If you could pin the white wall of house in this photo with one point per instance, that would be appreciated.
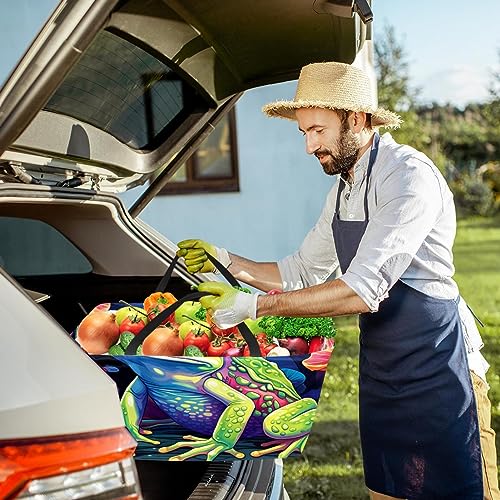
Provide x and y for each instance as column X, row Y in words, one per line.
column 282, row 189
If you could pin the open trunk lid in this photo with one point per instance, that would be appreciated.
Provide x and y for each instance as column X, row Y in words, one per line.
column 112, row 93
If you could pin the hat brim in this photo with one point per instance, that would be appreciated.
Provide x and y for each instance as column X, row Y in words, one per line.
column 286, row 109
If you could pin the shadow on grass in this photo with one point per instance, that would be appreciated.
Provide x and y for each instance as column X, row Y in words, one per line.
column 331, row 466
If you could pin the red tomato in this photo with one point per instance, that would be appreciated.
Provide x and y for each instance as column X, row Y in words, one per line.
column 132, row 324
column 218, row 347
column 261, row 337
column 199, row 339
column 223, row 332
column 274, row 291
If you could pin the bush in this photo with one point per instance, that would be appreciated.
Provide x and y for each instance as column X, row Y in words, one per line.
column 473, row 196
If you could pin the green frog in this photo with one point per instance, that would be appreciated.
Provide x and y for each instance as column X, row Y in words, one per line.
column 223, row 398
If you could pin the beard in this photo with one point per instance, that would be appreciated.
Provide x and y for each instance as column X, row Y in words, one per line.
column 347, row 150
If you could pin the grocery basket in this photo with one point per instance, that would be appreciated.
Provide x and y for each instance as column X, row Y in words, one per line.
column 216, row 408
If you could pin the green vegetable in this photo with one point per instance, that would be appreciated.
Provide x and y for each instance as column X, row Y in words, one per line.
column 192, row 350
column 116, row 350
column 201, row 314
column 282, row 327
column 125, row 339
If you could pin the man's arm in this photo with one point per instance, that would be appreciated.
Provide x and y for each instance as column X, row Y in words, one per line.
column 333, row 298
column 264, row 276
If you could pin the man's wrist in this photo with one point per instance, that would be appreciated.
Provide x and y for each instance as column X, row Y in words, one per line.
column 262, row 305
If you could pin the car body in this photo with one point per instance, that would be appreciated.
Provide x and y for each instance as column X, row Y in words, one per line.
column 110, row 95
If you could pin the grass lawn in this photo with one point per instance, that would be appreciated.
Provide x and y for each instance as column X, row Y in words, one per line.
column 331, row 466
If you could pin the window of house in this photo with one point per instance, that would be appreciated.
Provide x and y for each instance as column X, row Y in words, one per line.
column 214, row 165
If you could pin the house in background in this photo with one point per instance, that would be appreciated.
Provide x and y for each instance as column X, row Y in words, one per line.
column 250, row 187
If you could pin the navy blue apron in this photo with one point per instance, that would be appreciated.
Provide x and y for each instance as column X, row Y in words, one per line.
column 417, row 414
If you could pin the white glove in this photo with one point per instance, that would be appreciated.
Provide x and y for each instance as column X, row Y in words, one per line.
column 229, row 306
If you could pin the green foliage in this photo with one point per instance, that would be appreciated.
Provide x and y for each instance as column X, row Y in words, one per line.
column 460, row 141
column 490, row 174
column 282, row 327
column 472, row 196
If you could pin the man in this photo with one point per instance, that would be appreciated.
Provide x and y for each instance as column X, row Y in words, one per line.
column 387, row 228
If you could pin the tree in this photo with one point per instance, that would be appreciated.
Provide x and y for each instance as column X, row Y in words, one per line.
column 492, row 108
column 394, row 91
column 396, row 94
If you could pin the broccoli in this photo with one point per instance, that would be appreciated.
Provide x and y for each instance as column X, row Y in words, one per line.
column 281, row 327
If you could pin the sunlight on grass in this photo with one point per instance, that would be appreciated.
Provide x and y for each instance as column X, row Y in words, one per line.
column 331, row 467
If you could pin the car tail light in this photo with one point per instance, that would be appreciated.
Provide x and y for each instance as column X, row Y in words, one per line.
column 90, row 465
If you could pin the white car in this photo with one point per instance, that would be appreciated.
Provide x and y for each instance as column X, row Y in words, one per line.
column 108, row 94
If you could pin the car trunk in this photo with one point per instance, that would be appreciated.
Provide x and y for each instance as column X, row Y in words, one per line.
column 125, row 261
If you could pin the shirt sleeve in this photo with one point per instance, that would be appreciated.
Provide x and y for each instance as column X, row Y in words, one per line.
column 408, row 204
column 316, row 260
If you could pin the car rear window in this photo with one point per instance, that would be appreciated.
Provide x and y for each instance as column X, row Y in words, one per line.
column 52, row 254
column 124, row 90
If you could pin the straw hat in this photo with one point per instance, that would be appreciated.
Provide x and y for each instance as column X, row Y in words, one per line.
column 333, row 85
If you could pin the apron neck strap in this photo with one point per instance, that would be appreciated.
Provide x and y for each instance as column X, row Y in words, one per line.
column 371, row 161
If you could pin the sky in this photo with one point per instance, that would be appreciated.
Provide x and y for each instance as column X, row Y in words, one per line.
column 452, row 46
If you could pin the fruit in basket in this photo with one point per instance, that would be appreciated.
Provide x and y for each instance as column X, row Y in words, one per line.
column 132, row 324
column 98, row 331
column 157, row 302
column 192, row 350
column 316, row 344
column 219, row 347
column 116, row 350
column 164, row 341
column 223, row 332
column 125, row 339
column 296, row 345
column 278, row 351
column 193, row 326
column 130, row 312
column 197, row 338
column 186, row 311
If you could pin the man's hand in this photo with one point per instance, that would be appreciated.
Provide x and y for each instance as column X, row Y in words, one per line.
column 229, row 306
column 195, row 255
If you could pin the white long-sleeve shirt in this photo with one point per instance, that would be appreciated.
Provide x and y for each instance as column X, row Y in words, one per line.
column 409, row 236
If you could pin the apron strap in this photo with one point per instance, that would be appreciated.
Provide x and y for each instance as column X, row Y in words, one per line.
column 371, row 161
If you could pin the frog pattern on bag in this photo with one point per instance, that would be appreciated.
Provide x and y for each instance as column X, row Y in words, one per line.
column 216, row 404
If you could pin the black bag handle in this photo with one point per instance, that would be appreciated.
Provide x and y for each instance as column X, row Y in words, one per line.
column 248, row 336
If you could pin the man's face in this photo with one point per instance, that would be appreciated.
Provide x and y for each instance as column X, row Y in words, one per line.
column 330, row 140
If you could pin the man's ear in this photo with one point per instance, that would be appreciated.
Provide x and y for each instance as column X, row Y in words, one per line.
column 357, row 121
